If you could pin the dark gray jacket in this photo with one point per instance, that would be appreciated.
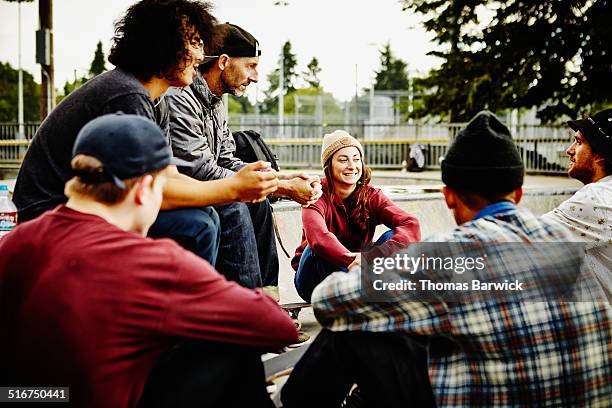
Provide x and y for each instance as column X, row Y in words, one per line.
column 199, row 133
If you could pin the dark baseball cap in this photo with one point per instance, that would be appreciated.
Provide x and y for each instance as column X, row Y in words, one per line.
column 127, row 145
column 235, row 42
column 597, row 130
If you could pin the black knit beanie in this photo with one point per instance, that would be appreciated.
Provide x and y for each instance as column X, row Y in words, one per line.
column 483, row 158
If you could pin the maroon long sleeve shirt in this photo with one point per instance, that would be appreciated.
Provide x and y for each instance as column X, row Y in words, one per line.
column 86, row 305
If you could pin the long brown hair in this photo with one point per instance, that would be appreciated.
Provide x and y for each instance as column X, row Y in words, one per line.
column 361, row 210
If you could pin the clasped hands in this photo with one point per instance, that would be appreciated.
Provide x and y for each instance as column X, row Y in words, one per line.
column 256, row 181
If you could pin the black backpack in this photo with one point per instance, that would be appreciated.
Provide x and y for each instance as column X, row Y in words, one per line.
column 250, row 147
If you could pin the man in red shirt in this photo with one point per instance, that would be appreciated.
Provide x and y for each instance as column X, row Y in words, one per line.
column 87, row 302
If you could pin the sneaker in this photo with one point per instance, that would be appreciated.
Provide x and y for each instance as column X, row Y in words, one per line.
column 302, row 339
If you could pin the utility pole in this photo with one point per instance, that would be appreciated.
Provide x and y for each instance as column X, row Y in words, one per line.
column 20, row 132
column 45, row 57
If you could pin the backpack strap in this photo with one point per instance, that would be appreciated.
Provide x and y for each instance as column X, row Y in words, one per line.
column 278, row 235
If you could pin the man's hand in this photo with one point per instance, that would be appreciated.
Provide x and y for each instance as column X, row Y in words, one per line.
column 356, row 261
column 254, row 182
column 288, row 175
column 304, row 191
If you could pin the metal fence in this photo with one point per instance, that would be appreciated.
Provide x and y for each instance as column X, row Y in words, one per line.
column 383, row 154
column 12, row 152
column 386, row 146
column 362, row 131
column 10, row 131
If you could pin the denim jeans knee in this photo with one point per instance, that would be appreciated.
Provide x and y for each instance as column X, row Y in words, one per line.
column 238, row 258
column 195, row 229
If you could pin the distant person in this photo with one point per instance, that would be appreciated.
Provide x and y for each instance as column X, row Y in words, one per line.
column 344, row 219
column 87, row 302
column 157, row 44
column 492, row 352
column 200, row 135
column 588, row 213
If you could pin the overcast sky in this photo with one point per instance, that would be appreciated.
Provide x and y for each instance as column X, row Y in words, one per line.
column 342, row 34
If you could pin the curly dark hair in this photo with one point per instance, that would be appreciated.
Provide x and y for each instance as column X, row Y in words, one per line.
column 150, row 38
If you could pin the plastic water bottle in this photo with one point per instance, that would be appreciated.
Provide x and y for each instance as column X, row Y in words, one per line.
column 8, row 212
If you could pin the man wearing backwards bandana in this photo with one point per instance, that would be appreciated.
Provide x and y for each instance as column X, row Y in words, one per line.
column 200, row 135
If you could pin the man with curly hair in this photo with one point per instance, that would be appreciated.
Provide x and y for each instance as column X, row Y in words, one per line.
column 157, row 44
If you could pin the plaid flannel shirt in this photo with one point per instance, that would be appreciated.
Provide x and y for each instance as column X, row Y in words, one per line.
column 491, row 353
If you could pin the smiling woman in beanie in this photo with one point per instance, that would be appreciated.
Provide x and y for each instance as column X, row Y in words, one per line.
column 344, row 219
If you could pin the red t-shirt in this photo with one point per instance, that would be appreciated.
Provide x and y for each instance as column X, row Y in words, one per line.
column 87, row 305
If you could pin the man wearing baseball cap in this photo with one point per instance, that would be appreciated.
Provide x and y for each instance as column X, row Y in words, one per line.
column 87, row 302
column 588, row 213
column 200, row 134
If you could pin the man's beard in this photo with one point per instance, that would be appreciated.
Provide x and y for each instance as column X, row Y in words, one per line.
column 227, row 88
column 582, row 173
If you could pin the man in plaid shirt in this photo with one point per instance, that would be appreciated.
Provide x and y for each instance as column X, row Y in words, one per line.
column 544, row 351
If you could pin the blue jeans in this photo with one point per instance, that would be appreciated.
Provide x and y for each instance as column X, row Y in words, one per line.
column 195, row 229
column 238, row 257
column 313, row 269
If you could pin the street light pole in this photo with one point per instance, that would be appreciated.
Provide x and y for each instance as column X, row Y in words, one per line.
column 411, row 74
column 356, row 100
column 281, row 81
column 281, row 93
column 20, row 132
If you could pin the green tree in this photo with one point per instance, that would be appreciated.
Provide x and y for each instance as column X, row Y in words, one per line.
column 97, row 65
column 8, row 95
column 311, row 75
column 270, row 104
column 554, row 55
column 309, row 95
column 393, row 72
column 290, row 66
column 239, row 104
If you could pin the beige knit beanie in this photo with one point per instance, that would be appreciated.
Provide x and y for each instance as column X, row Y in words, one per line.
column 332, row 142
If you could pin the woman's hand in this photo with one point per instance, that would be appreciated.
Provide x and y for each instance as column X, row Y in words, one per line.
column 356, row 261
